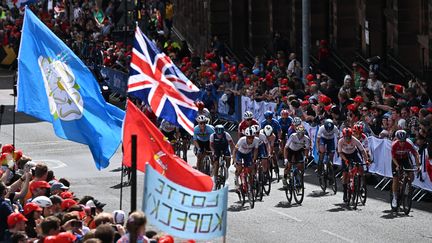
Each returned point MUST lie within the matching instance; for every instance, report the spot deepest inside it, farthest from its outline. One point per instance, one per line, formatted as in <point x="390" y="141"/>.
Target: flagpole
<point x="134" y="174"/>
<point x="121" y="187"/>
<point x="14" y="105"/>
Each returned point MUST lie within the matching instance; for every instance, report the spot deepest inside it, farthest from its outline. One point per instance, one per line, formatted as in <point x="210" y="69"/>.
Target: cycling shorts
<point x="328" y="143"/>
<point x="203" y="146"/>
<point x="221" y="151"/>
<point x="245" y="158"/>
<point x="295" y="156"/>
<point x="262" y="151"/>
<point x="403" y="163"/>
<point x="354" y="157"/>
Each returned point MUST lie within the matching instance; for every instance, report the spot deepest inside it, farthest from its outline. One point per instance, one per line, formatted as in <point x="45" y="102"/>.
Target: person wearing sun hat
<point x="67" y="203"/>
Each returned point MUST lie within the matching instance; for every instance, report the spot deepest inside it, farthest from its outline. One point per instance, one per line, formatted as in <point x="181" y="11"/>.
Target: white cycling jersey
<point x="322" y="132"/>
<point x="349" y="147"/>
<point x="295" y="143"/>
<point x="245" y="148"/>
<point x="262" y="138"/>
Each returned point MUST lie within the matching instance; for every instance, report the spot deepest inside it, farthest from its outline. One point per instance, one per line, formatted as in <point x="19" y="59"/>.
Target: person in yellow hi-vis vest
<point x="169" y="14"/>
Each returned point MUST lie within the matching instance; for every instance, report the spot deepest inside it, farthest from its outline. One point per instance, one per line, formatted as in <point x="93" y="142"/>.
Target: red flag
<point x="153" y="147"/>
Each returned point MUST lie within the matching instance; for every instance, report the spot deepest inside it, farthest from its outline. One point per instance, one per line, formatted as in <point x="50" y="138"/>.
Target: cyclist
<point x="400" y="151"/>
<point x="169" y="130"/>
<point x="269" y="120"/>
<point x="185" y="137"/>
<point x="326" y="137"/>
<point x="247" y="122"/>
<point x="220" y="143"/>
<point x="285" y="123"/>
<point x="297" y="121"/>
<point x="246" y="150"/>
<point x="296" y="149"/>
<point x="358" y="133"/>
<point x="202" y="110"/>
<point x="201" y="139"/>
<point x="348" y="147"/>
<point x="266" y="140"/>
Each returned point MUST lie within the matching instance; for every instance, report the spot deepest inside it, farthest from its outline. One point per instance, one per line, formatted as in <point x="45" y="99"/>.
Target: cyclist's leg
<point x="238" y="165"/>
<point x="262" y="153"/>
<point x="395" y="184"/>
<point x="287" y="165"/>
<point x="345" y="177"/>
<point x="215" y="161"/>
<point x="322" y="151"/>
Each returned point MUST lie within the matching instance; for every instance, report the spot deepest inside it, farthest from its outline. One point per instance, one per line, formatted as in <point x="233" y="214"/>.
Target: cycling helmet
<point x="255" y="128"/>
<point x="300" y="129"/>
<point x="42" y="201"/>
<point x="401" y="135"/>
<point x="358" y="128"/>
<point x="201" y="118"/>
<point x="248" y="115"/>
<point x="284" y="113"/>
<point x="328" y="125"/>
<point x="7" y="148"/>
<point x="268" y="114"/>
<point x="268" y="130"/>
<point x="249" y="132"/>
<point x="200" y="105"/>
<point x="347" y="132"/>
<point x="297" y="121"/>
<point x="219" y="129"/>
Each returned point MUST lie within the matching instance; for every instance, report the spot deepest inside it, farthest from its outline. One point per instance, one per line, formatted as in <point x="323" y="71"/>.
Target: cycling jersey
<point x="295" y="143"/>
<point x="166" y="126"/>
<point x="263" y="143"/>
<point x="285" y="124"/>
<point x="400" y="151"/>
<point x="349" y="147"/>
<point x="245" y="124"/>
<point x="221" y="144"/>
<point x="322" y="132"/>
<point x="262" y="138"/>
<point x="204" y="135"/>
<point x="245" y="148"/>
<point x="273" y="123"/>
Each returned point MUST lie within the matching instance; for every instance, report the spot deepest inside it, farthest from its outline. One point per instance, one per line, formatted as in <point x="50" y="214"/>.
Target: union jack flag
<point x="156" y="80"/>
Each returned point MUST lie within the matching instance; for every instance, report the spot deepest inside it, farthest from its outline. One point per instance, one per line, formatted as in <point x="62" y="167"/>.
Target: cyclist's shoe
<point x="394" y="202"/>
<point x="345" y="193"/>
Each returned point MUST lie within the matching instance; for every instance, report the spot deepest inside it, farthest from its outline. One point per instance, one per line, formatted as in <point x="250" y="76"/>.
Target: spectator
<point x="5" y="210"/>
<point x="135" y="229"/>
<point x="16" y="223"/>
<point x="105" y="233"/>
<point x="50" y="226"/>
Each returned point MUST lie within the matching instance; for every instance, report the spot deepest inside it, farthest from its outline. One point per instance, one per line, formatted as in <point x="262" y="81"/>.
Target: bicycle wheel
<point x="267" y="182"/>
<point x="250" y="193"/>
<point x="363" y="192"/>
<point x="331" y="177"/>
<point x="349" y="193"/>
<point x="259" y="190"/>
<point x="276" y="168"/>
<point x="298" y="187"/>
<point x="356" y="191"/>
<point x="206" y="165"/>
<point x="406" y="196"/>
<point x="322" y="178"/>
<point x="288" y="190"/>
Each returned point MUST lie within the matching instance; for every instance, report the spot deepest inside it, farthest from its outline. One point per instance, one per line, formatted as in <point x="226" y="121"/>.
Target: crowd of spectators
<point x="36" y="206"/>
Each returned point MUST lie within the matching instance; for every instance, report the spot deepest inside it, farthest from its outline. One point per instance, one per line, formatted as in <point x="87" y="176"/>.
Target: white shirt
<point x="322" y="133"/>
<point x="374" y="86"/>
<point x="295" y="143"/>
<point x="349" y="148"/>
<point x="262" y="138"/>
<point x="245" y="148"/>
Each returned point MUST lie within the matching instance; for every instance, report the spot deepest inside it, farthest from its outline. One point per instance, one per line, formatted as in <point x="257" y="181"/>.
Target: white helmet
<point x="255" y="128"/>
<point x="297" y="121"/>
<point x="42" y="201"/>
<point x="268" y="130"/>
<point x="248" y="132"/>
<point x="201" y="118"/>
<point x="248" y="115"/>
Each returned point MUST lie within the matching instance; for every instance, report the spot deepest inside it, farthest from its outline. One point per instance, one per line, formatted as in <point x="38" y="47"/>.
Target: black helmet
<point x="328" y="125"/>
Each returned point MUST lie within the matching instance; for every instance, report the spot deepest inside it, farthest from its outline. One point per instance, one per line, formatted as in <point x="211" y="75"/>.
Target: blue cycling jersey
<point x="285" y="123"/>
<point x="203" y="136"/>
<point x="273" y="123"/>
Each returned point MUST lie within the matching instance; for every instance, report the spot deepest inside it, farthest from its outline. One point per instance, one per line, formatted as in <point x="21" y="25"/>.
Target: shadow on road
<point x="286" y="204"/>
<point x="7" y="117"/>
<point x="320" y="193"/>
<point x="118" y="186"/>
<point x="340" y="207"/>
<point x="237" y="207"/>
<point x="390" y="214"/>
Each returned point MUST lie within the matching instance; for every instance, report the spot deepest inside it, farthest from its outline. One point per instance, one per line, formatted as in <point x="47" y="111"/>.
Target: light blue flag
<point x="183" y="212"/>
<point x="55" y="86"/>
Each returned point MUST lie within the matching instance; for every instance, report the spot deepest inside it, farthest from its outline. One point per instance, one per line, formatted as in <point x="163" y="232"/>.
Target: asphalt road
<point x="321" y="217"/>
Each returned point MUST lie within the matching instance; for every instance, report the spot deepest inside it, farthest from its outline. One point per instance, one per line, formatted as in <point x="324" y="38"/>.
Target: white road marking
<point x="52" y="164"/>
<point x="337" y="236"/>
<point x="286" y="215"/>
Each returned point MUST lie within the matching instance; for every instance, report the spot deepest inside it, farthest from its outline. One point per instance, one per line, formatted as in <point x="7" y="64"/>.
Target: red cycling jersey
<point x="401" y="150"/>
<point x="245" y="124"/>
